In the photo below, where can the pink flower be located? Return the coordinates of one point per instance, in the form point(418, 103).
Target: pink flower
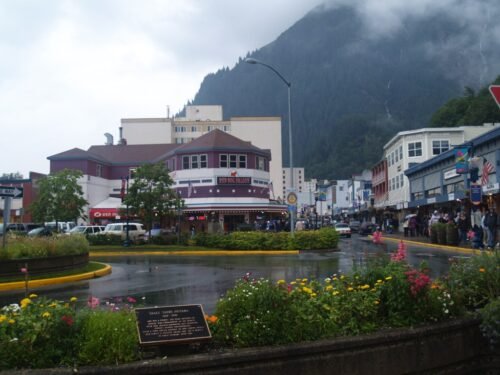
point(400, 254)
point(93, 302)
point(24, 270)
point(131, 300)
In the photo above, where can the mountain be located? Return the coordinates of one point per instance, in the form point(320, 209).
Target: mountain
point(357, 80)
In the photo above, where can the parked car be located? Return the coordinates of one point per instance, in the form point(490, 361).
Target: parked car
point(136, 231)
point(158, 232)
point(22, 228)
point(40, 232)
point(61, 227)
point(343, 230)
point(354, 225)
point(87, 230)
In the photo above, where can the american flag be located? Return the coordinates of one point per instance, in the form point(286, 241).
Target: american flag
point(487, 169)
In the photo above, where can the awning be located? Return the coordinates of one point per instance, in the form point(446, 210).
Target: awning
point(106, 209)
point(236, 210)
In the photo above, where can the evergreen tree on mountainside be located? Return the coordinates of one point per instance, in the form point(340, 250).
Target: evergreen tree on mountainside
point(470, 109)
point(352, 88)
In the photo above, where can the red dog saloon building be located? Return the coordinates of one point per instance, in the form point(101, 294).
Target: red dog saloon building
point(223, 181)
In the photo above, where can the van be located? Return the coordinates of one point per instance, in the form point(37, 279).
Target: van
point(62, 226)
point(135, 231)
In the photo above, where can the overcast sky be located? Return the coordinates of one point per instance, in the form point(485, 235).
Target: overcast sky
point(70, 70)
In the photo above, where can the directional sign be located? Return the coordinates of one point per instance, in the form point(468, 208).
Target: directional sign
point(11, 191)
point(495, 91)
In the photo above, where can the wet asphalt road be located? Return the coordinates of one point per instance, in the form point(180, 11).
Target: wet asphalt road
point(175, 280)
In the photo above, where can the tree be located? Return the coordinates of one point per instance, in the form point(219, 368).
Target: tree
point(150, 196)
point(11, 176)
point(60, 198)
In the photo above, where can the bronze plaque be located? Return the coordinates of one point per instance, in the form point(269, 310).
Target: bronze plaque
point(172, 325)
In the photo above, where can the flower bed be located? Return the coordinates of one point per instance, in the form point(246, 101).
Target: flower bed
point(258, 312)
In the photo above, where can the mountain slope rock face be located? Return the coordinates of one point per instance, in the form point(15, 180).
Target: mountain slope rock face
point(357, 80)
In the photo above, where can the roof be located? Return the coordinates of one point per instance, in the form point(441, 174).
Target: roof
point(217, 140)
point(420, 131)
point(117, 154)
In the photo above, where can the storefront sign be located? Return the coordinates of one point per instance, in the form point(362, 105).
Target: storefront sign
point(103, 213)
point(475, 194)
point(491, 188)
point(234, 180)
point(462, 160)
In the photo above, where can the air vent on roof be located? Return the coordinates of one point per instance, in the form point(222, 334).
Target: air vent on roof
point(109, 139)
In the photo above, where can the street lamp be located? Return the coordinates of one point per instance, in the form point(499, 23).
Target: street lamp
point(249, 60)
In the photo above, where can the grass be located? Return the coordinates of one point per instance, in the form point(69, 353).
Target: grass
point(90, 267)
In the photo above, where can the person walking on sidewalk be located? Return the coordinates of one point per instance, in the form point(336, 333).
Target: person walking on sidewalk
point(490, 221)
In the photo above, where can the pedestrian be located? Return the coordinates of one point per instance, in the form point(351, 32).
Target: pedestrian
point(412, 224)
point(477, 239)
point(490, 221)
point(463, 226)
point(192, 229)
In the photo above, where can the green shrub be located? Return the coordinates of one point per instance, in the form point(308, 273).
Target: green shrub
point(325, 238)
point(490, 324)
point(41, 247)
point(105, 239)
point(475, 281)
point(451, 234)
point(107, 337)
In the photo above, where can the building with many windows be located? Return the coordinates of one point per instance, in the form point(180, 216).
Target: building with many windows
point(298, 180)
point(263, 132)
point(409, 148)
point(223, 181)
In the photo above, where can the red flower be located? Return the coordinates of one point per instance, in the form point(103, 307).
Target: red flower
point(68, 320)
point(131, 300)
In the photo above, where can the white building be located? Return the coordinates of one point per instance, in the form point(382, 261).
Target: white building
point(408, 148)
point(262, 132)
point(298, 180)
point(342, 197)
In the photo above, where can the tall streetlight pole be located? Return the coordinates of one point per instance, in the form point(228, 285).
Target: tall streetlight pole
point(249, 60)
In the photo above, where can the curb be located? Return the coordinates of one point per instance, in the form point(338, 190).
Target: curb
point(195, 252)
point(436, 246)
point(56, 280)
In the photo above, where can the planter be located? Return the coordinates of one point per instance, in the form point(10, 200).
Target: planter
point(36, 266)
point(454, 347)
point(434, 234)
point(441, 234)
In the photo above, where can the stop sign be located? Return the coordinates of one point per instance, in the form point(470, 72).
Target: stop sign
point(495, 91)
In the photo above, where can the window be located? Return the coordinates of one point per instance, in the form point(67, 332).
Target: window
point(194, 161)
point(341, 188)
point(242, 162)
point(185, 162)
point(397, 156)
point(226, 128)
point(397, 182)
point(439, 147)
point(389, 160)
point(232, 161)
point(223, 161)
point(260, 163)
point(417, 196)
point(203, 161)
point(433, 192)
point(414, 149)
point(392, 157)
point(194, 129)
point(98, 170)
point(210, 128)
point(401, 177)
point(400, 152)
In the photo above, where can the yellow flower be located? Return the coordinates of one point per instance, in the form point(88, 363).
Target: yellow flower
point(388, 278)
point(46, 314)
point(328, 287)
point(53, 304)
point(11, 321)
point(335, 293)
point(376, 302)
point(304, 280)
point(342, 277)
point(350, 289)
point(335, 279)
point(73, 299)
point(482, 269)
point(379, 281)
point(279, 282)
point(293, 283)
point(25, 302)
point(313, 295)
point(307, 290)
point(366, 286)
point(33, 295)
point(2, 318)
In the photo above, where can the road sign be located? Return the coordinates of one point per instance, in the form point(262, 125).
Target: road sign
point(11, 191)
point(291, 198)
point(495, 92)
